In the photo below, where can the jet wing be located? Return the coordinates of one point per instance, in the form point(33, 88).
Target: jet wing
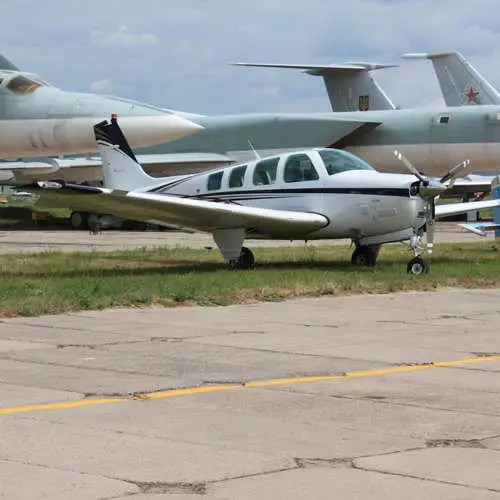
point(461, 208)
point(480, 228)
point(184, 212)
point(172, 164)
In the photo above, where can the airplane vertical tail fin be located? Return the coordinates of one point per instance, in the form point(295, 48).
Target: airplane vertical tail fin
point(6, 64)
point(460, 82)
point(350, 86)
point(120, 167)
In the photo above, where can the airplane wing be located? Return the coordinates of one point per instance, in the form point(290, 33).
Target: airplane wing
point(480, 228)
point(174, 164)
point(461, 208)
point(470, 185)
point(184, 212)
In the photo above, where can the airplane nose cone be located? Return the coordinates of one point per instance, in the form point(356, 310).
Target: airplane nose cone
point(143, 131)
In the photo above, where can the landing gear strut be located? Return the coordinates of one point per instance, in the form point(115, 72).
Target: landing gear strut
point(246, 260)
point(418, 265)
point(365, 255)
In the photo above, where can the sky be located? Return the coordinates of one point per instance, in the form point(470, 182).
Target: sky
point(175, 54)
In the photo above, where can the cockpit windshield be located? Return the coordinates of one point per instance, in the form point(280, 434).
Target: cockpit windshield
point(337, 161)
point(21, 84)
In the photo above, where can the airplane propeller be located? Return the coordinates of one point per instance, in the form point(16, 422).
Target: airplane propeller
point(430, 190)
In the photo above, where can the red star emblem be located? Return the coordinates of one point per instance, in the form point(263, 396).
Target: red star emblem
point(471, 95)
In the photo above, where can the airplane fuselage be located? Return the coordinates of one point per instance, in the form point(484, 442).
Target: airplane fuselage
point(50, 122)
point(434, 138)
point(358, 203)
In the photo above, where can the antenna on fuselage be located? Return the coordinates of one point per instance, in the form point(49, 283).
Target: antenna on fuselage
point(257, 155)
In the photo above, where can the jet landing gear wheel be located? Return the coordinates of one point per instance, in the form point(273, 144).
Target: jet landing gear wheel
point(79, 220)
point(365, 255)
point(246, 260)
point(417, 266)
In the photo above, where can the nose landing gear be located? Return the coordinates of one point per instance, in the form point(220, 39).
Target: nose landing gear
point(418, 265)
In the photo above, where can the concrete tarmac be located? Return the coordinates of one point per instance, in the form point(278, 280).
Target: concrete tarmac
point(362, 397)
point(66, 240)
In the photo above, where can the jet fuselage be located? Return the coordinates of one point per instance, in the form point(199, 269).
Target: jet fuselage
point(38, 120)
point(434, 139)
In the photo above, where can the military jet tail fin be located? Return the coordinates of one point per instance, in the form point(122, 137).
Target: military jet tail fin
point(6, 64)
point(460, 82)
point(350, 86)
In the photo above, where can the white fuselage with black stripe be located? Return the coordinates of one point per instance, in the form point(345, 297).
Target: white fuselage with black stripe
point(357, 201)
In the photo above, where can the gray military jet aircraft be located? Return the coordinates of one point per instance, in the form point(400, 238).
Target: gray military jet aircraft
point(38, 120)
point(435, 138)
point(312, 194)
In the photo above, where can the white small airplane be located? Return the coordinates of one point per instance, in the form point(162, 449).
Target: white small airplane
point(304, 195)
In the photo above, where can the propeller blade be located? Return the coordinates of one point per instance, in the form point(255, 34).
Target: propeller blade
point(452, 174)
point(410, 167)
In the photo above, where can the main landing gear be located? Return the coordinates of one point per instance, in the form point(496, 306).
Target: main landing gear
point(365, 255)
point(246, 260)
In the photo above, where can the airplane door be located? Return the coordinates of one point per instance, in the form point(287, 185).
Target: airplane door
point(441, 157)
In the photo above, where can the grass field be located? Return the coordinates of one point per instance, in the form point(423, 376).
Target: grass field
point(54, 282)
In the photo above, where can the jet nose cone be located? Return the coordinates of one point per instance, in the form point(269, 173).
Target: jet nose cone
point(143, 131)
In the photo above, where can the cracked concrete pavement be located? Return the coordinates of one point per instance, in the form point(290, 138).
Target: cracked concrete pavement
point(229, 402)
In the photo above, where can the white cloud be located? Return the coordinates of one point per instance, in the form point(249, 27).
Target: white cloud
point(124, 37)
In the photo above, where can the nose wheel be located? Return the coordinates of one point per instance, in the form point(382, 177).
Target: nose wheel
point(418, 266)
point(365, 255)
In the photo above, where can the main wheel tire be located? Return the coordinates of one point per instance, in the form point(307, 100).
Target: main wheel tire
point(364, 255)
point(246, 260)
point(79, 220)
point(417, 266)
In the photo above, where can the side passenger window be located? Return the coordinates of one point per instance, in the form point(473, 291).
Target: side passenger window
point(265, 172)
point(237, 176)
point(214, 181)
point(299, 168)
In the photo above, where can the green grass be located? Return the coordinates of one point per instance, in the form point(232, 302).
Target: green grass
point(56, 282)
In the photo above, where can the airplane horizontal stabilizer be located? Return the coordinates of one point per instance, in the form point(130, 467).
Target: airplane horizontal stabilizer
point(349, 85)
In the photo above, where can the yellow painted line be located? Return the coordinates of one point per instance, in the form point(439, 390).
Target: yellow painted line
point(185, 392)
point(57, 406)
point(262, 383)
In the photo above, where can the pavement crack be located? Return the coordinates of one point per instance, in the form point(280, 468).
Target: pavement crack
point(177, 488)
point(334, 463)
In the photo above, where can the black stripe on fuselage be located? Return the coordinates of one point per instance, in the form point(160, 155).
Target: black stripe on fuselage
point(262, 193)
